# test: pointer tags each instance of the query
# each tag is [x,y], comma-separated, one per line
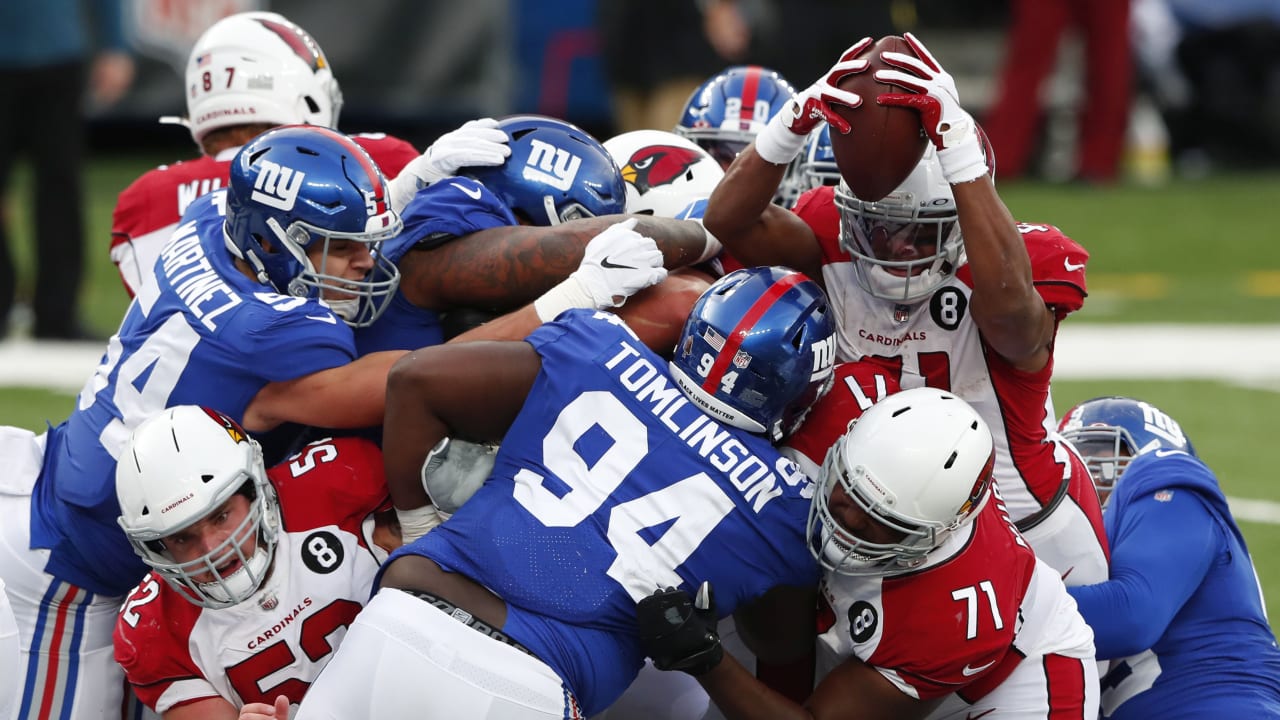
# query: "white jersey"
[936,342]
[277,641]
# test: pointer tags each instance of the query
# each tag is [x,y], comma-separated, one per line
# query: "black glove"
[679,632]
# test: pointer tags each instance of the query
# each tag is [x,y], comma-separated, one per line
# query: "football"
[884,143]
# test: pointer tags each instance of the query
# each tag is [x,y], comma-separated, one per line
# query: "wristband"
[965,162]
[712,247]
[570,293]
[776,143]
[417,522]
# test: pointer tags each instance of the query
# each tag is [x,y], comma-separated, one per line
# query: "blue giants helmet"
[757,350]
[727,112]
[299,185]
[1110,431]
[816,165]
[556,172]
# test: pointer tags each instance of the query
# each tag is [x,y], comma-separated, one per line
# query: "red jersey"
[276,642]
[149,209]
[962,622]
[856,386]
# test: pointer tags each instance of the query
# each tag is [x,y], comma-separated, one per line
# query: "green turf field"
[1186,252]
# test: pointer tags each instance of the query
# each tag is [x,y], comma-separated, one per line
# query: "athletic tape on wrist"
[570,293]
[776,143]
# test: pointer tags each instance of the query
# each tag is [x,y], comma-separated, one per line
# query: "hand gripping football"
[884,143]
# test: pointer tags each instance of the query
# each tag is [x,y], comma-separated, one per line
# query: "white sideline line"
[1257,511]
[1247,354]
[1236,353]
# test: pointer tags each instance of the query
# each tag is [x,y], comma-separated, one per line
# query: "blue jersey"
[1182,613]
[203,334]
[608,486]
[439,213]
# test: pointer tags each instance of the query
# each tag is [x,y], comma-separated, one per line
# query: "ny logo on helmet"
[824,358]
[551,165]
[277,186]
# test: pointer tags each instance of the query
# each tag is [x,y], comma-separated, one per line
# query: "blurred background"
[1147,130]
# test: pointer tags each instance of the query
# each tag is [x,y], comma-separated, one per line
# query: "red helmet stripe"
[750,89]
[362,157]
[749,320]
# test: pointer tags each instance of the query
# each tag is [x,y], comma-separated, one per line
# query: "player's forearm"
[410,429]
[505,268]
[348,396]
[1167,547]
[736,212]
[1011,314]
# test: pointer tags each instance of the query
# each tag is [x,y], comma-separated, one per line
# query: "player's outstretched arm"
[617,263]
[1011,314]
[740,213]
[471,391]
[504,268]
[347,396]
[1013,317]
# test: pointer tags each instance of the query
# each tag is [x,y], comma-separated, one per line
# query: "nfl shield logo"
[1164,495]
[901,313]
[741,359]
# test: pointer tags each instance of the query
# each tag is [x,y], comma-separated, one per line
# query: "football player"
[247,73]
[254,572]
[933,605]
[619,473]
[1181,616]
[251,310]
[935,282]
[725,113]
[493,238]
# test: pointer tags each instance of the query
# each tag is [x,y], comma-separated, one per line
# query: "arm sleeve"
[1163,550]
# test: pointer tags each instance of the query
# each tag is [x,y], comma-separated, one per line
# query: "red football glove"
[933,95]
[784,136]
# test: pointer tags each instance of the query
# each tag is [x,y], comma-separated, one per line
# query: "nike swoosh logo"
[1070,266]
[606,264]
[1167,453]
[1068,572]
[324,318]
[984,713]
[971,671]
[474,193]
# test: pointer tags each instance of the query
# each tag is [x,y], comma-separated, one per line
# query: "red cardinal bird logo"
[656,165]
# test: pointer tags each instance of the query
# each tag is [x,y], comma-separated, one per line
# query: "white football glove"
[785,135]
[933,94]
[616,264]
[478,143]
[454,471]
